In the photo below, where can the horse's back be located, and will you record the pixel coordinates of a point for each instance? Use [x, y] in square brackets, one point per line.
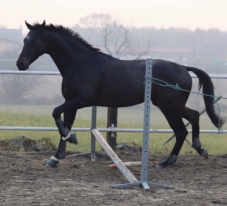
[122, 83]
[172, 73]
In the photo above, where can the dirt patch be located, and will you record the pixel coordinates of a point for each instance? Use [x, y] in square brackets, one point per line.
[78, 181]
[25, 144]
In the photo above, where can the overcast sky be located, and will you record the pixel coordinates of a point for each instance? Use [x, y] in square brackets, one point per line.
[190, 14]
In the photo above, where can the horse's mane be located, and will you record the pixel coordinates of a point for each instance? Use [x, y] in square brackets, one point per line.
[67, 32]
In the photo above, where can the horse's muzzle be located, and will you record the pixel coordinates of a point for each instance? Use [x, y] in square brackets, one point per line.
[22, 65]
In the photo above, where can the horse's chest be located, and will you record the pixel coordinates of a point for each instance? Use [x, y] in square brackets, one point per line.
[69, 90]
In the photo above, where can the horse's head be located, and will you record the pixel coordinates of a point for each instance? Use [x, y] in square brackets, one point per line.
[35, 45]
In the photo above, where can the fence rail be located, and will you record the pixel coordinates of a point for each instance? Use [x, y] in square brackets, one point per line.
[213, 76]
[101, 129]
[29, 72]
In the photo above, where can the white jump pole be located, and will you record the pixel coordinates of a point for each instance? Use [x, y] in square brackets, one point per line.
[117, 161]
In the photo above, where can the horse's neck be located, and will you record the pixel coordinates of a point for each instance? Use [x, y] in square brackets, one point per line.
[64, 52]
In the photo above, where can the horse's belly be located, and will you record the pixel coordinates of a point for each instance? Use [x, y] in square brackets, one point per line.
[119, 99]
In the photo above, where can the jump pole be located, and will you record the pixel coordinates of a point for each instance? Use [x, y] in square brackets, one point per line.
[121, 166]
[145, 149]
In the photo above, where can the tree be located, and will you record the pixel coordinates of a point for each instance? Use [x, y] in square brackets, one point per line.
[113, 37]
[116, 39]
[140, 42]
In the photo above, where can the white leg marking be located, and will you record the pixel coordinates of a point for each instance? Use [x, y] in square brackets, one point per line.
[67, 137]
[54, 158]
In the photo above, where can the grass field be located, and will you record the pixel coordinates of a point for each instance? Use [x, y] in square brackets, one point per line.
[132, 117]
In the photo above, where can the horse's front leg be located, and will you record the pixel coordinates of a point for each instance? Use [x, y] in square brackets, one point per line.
[69, 118]
[69, 109]
[69, 106]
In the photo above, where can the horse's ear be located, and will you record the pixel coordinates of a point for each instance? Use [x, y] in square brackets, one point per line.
[29, 26]
[43, 24]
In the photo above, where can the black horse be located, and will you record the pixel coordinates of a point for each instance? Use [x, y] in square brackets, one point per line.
[92, 78]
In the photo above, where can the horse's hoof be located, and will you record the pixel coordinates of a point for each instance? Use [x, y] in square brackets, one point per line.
[162, 165]
[48, 166]
[52, 164]
[159, 167]
[72, 139]
[204, 154]
[170, 161]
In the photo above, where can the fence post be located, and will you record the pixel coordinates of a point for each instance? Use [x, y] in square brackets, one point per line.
[111, 137]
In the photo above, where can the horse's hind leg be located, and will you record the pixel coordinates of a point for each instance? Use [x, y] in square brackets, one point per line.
[193, 117]
[175, 121]
[69, 118]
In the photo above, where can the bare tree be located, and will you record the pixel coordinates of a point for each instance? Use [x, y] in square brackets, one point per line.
[113, 36]
[140, 43]
[116, 39]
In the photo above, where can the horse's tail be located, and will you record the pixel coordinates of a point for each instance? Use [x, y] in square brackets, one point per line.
[208, 91]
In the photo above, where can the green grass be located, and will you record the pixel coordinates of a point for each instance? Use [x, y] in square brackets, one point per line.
[214, 143]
